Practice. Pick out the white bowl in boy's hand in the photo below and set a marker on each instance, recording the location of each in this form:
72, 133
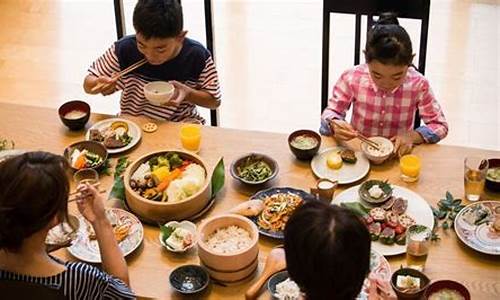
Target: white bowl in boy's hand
159, 92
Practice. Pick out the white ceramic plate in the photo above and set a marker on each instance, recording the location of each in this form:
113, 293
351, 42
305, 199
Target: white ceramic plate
479, 237
88, 250
380, 267
348, 173
133, 130
418, 209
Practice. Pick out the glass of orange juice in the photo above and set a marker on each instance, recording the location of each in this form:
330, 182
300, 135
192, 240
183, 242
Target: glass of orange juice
191, 137
410, 167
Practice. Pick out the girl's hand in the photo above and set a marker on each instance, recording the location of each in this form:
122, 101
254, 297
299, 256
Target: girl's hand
379, 289
403, 144
90, 203
180, 94
342, 131
108, 85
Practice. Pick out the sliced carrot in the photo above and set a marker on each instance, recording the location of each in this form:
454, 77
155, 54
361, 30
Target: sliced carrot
166, 182
80, 162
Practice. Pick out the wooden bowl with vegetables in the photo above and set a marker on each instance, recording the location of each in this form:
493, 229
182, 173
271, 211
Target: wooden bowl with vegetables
254, 168
167, 185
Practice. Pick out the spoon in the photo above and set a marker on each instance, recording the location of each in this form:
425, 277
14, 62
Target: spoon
275, 262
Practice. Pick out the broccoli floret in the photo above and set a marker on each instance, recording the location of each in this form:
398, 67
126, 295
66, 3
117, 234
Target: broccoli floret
175, 160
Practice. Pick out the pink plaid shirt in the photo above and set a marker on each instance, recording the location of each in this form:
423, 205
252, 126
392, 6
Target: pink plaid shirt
380, 113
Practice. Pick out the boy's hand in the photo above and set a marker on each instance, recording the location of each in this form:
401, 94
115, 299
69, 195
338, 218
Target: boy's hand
342, 131
104, 85
181, 93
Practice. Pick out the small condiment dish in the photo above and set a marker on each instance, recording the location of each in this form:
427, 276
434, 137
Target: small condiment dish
366, 197
189, 226
415, 294
189, 279
159, 92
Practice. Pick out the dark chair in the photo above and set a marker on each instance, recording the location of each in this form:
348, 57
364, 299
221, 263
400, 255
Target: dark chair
120, 32
13, 289
408, 9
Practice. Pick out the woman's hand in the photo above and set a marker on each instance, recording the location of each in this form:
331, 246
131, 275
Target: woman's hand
379, 289
342, 131
181, 93
90, 203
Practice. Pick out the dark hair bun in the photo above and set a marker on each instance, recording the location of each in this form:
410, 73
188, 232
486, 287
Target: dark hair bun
387, 18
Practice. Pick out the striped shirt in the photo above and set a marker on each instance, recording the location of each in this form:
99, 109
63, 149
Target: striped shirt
79, 281
380, 113
193, 66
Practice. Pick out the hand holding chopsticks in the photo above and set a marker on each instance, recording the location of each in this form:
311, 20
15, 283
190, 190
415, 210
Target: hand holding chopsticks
73, 196
103, 85
343, 131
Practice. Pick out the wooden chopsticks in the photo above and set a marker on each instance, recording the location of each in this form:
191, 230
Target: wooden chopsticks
121, 73
368, 141
362, 138
71, 199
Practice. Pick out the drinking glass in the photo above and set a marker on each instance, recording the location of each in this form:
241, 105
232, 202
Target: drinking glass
410, 166
475, 169
190, 135
89, 176
417, 246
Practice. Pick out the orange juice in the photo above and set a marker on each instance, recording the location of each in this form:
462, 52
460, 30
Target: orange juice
191, 137
410, 167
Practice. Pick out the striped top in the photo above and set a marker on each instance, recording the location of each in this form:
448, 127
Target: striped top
193, 66
79, 281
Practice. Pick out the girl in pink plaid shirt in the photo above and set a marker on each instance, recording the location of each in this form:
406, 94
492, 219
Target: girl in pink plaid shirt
385, 93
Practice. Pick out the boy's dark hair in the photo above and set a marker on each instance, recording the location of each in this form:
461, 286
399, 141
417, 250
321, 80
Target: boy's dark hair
33, 189
158, 18
388, 42
327, 251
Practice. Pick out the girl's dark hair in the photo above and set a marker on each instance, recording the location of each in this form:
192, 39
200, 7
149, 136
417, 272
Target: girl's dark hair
158, 18
33, 189
327, 251
388, 42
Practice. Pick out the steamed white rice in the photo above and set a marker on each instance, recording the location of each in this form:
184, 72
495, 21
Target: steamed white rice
227, 240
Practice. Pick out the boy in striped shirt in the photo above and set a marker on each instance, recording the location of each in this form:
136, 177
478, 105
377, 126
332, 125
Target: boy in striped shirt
171, 56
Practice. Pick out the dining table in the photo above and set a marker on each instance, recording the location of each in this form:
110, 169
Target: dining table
39, 128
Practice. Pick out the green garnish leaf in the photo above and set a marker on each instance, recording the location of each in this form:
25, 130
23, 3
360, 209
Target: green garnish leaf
218, 177
357, 208
166, 232
118, 189
121, 166
445, 225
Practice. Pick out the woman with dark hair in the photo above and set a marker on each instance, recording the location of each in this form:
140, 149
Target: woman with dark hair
385, 93
34, 191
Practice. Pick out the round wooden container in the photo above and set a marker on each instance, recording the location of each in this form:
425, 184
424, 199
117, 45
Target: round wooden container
163, 212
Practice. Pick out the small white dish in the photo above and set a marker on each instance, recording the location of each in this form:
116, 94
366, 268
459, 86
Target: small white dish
374, 155
190, 226
158, 92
